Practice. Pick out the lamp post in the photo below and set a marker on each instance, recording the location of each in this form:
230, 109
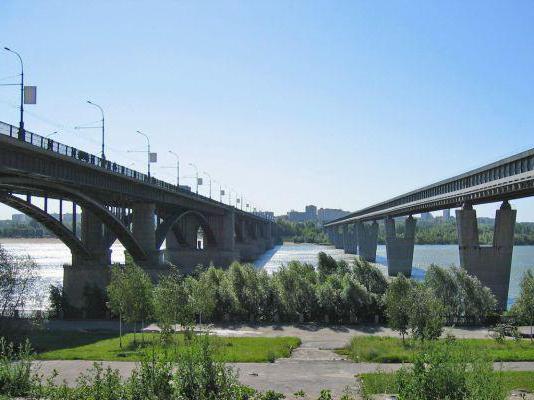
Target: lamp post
103, 129
220, 190
196, 176
148, 151
177, 168
209, 177
21, 126
51, 134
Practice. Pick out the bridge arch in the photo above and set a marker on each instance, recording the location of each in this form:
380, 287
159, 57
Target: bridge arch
48, 221
185, 225
110, 220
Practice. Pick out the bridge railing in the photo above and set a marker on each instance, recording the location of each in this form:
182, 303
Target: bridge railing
511, 169
60, 148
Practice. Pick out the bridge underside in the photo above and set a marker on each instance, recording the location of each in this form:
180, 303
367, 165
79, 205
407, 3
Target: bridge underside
192, 237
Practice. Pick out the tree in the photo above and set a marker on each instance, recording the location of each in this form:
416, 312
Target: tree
398, 304
524, 306
170, 302
130, 295
295, 285
370, 276
426, 313
201, 296
18, 276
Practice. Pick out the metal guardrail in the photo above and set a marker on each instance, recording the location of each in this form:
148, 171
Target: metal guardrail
80, 155
507, 171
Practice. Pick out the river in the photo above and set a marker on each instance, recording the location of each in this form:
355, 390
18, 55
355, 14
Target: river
50, 255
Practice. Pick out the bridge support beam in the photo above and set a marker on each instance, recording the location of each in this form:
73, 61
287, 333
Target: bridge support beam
400, 250
144, 231
85, 272
338, 238
491, 265
350, 239
367, 240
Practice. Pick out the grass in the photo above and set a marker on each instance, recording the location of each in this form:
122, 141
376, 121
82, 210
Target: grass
381, 383
105, 347
393, 350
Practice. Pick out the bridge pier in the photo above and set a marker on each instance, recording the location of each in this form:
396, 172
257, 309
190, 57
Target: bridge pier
367, 240
144, 231
350, 239
338, 238
490, 264
400, 250
84, 271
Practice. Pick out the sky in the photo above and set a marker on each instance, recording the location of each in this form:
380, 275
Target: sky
288, 103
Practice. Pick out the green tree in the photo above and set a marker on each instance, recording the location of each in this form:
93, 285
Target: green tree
370, 276
524, 306
295, 285
201, 296
398, 304
426, 313
170, 302
130, 295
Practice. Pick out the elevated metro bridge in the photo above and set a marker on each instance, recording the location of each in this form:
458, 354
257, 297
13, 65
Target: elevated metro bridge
501, 181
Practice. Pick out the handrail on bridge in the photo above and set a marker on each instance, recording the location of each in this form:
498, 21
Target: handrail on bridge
485, 177
80, 155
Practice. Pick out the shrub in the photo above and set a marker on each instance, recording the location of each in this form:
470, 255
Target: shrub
448, 370
15, 369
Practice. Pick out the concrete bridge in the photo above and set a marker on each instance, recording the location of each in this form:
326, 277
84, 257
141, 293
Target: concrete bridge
111, 202
503, 180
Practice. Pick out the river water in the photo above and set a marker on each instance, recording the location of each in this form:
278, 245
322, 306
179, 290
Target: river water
51, 255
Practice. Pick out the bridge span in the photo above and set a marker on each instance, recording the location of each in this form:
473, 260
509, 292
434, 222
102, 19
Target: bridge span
111, 202
501, 181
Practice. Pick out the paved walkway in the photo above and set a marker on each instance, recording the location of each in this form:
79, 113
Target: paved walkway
311, 367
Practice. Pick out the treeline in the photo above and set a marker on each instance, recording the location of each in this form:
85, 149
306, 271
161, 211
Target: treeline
301, 232
441, 231
334, 292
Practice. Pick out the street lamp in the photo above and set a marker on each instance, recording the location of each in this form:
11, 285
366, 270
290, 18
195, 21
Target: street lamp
51, 134
103, 135
177, 168
220, 190
148, 151
196, 169
21, 126
209, 177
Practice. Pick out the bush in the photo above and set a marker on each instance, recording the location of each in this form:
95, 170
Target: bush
15, 369
448, 370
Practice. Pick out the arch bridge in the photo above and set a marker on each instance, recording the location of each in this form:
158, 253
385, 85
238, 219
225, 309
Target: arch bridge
110, 202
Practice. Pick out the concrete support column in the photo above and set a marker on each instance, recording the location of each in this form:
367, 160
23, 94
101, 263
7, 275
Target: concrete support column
400, 250
351, 239
490, 264
144, 231
345, 237
367, 240
338, 238
88, 271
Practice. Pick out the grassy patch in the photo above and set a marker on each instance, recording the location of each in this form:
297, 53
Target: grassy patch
105, 347
392, 350
380, 382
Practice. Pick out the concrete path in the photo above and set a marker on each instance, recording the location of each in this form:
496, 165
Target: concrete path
312, 367
285, 375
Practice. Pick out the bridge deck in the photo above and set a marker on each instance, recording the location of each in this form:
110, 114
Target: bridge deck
506, 179
36, 157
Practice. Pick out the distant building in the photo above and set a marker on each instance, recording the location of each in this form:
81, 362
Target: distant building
426, 216
329, 214
20, 218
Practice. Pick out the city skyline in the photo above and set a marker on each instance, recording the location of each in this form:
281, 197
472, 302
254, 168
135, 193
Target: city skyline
290, 113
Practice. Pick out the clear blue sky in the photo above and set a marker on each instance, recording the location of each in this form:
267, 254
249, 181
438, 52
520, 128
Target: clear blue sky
338, 104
